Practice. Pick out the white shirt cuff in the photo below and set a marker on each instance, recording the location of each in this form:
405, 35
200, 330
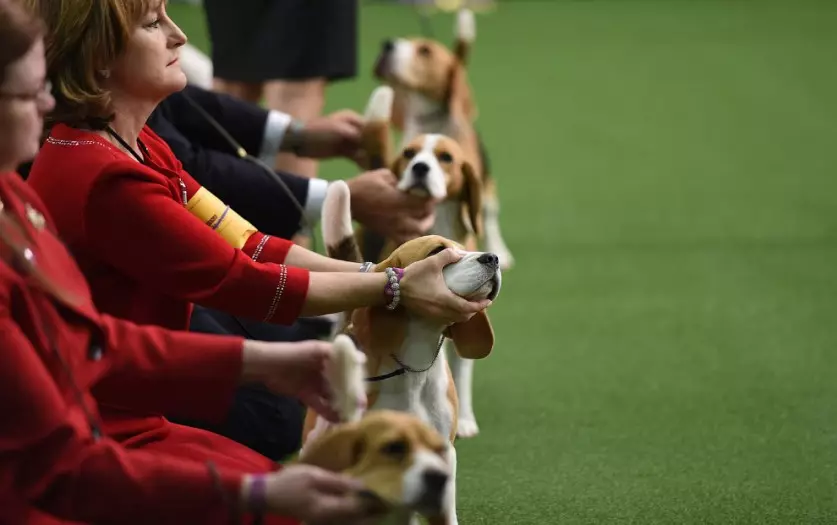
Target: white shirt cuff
317, 189
274, 131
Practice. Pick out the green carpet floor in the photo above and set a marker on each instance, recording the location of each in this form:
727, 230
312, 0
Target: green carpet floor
667, 346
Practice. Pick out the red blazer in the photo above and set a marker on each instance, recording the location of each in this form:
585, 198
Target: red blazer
145, 256
55, 465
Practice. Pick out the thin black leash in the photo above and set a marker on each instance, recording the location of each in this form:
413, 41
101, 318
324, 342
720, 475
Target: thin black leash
402, 368
242, 153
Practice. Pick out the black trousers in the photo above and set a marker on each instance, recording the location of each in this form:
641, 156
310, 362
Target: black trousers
265, 422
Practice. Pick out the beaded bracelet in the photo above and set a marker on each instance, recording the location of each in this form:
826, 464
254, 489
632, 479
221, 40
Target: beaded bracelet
257, 496
393, 288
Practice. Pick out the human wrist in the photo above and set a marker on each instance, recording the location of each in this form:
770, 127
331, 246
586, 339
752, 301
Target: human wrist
294, 137
253, 493
255, 355
392, 288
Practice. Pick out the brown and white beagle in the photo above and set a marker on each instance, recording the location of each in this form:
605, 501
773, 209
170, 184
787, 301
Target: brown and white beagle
406, 368
432, 95
402, 461
436, 167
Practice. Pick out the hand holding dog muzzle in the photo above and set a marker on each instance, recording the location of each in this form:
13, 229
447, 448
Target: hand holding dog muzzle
424, 291
315, 496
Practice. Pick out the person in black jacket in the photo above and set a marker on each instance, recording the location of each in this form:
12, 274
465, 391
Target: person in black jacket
253, 193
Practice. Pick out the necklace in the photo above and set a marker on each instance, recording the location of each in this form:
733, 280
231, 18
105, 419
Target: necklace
141, 160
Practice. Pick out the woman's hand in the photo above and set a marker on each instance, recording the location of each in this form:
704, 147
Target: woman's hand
423, 290
317, 497
293, 369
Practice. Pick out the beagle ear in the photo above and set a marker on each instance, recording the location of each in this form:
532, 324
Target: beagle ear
398, 165
337, 449
472, 198
459, 99
474, 339
379, 330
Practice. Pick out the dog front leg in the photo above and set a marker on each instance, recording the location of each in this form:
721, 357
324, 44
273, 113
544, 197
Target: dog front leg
462, 371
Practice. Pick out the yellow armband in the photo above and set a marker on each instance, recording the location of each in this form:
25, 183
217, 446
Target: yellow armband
231, 226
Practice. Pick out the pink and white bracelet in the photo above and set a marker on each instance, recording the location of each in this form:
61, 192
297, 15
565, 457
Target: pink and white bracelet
393, 287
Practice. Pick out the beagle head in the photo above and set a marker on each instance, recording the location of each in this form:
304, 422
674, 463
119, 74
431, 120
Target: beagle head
401, 460
435, 166
475, 276
426, 67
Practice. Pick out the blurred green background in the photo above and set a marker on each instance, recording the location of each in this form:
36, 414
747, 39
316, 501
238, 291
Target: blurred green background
667, 346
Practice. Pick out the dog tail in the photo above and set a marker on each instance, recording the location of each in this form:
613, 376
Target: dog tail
338, 233
376, 140
466, 34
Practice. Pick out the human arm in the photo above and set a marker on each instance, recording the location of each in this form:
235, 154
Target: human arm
173, 251
195, 375
49, 457
247, 123
262, 133
247, 187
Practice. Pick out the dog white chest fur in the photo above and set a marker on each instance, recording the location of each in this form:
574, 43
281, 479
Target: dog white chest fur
422, 391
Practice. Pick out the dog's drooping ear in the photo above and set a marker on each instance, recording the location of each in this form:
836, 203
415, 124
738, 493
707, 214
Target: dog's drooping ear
336, 450
472, 198
380, 331
474, 339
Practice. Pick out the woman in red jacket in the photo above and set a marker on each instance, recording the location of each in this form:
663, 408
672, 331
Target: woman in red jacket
150, 240
57, 466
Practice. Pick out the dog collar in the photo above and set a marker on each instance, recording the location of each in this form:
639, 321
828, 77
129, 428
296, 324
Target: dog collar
402, 368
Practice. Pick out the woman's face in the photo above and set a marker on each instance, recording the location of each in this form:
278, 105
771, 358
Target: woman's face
24, 100
149, 69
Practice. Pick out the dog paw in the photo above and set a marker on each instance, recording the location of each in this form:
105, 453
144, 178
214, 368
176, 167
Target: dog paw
467, 428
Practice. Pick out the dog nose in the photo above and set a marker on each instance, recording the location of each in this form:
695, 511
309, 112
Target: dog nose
420, 170
388, 46
435, 481
489, 259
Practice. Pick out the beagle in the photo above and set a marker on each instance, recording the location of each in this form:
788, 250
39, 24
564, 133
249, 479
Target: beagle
432, 95
401, 460
436, 167
406, 368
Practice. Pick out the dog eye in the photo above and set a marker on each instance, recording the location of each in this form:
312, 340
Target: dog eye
424, 50
409, 154
395, 448
445, 157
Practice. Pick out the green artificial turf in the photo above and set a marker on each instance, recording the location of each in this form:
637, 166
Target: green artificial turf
667, 345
